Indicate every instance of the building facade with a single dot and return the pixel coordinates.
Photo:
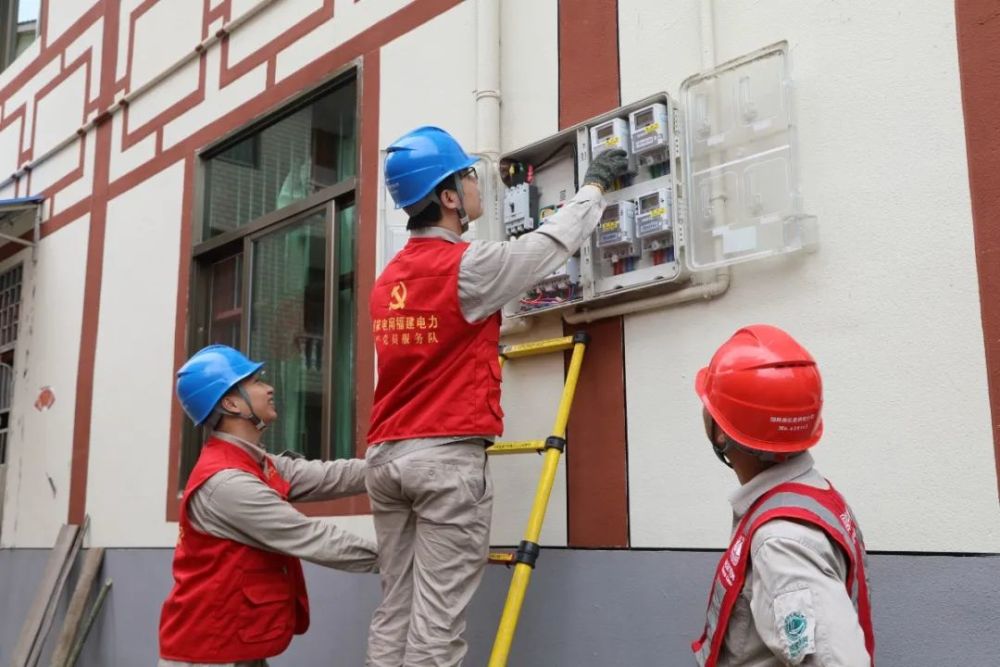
(209, 171)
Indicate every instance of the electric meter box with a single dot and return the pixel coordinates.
(648, 127)
(653, 220)
(610, 134)
(724, 187)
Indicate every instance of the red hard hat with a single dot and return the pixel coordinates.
(764, 391)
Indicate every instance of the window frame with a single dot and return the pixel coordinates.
(332, 199)
(10, 32)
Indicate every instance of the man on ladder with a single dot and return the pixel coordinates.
(436, 323)
(792, 587)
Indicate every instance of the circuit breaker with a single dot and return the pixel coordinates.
(608, 135)
(517, 210)
(650, 136)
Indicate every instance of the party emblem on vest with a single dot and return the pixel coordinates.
(737, 550)
(397, 296)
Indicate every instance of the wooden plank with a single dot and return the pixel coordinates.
(95, 609)
(50, 578)
(50, 609)
(77, 605)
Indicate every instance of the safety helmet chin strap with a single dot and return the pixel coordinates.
(257, 422)
(721, 452)
(462, 215)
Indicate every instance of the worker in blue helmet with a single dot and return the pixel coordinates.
(239, 593)
(436, 323)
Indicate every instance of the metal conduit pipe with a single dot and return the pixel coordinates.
(488, 99)
(703, 291)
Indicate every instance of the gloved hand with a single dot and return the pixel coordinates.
(606, 168)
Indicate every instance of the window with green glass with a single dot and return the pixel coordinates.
(310, 147)
(274, 268)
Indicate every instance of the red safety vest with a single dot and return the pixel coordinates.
(230, 602)
(438, 375)
(823, 508)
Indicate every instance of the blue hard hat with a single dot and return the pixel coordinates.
(208, 376)
(419, 160)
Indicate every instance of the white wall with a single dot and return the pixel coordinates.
(889, 305)
(134, 365)
(48, 349)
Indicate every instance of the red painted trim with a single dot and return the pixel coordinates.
(92, 280)
(221, 11)
(366, 244)
(978, 24)
(43, 16)
(272, 72)
(180, 335)
(233, 71)
(596, 460)
(589, 82)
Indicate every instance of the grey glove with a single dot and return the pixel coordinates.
(606, 168)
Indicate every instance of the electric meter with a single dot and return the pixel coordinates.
(616, 231)
(649, 134)
(653, 220)
(608, 135)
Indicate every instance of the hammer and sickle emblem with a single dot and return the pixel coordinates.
(398, 296)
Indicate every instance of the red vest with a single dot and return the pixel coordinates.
(438, 375)
(230, 602)
(823, 508)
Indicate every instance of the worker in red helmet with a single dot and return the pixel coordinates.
(796, 565)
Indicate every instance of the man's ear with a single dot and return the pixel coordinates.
(229, 404)
(449, 199)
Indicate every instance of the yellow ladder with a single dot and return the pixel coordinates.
(551, 448)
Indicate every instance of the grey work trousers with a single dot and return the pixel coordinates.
(432, 509)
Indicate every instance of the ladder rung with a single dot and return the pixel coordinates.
(538, 347)
(501, 558)
(516, 447)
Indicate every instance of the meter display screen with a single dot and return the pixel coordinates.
(648, 203)
(604, 132)
(644, 118)
(610, 213)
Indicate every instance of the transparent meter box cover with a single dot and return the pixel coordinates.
(742, 186)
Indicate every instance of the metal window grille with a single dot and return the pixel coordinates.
(6, 396)
(10, 306)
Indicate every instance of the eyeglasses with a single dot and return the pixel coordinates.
(469, 173)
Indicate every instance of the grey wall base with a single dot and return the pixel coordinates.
(601, 608)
